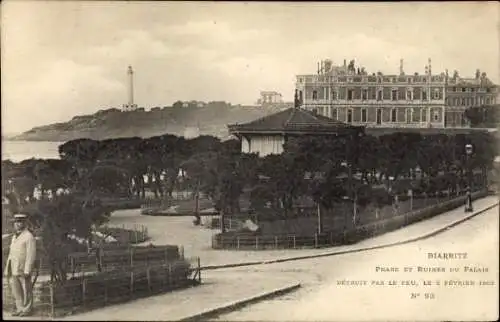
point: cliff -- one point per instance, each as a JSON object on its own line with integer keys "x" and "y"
{"x": 190, "y": 121}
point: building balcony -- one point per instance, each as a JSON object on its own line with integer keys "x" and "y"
{"x": 310, "y": 102}
{"x": 413, "y": 125}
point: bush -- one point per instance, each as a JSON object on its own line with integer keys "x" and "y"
{"x": 125, "y": 236}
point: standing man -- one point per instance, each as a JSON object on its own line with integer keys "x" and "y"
{"x": 20, "y": 264}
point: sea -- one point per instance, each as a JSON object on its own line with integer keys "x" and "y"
{"x": 17, "y": 151}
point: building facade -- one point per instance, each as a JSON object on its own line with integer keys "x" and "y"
{"x": 349, "y": 94}
{"x": 269, "y": 97}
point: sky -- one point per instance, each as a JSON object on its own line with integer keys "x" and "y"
{"x": 61, "y": 59}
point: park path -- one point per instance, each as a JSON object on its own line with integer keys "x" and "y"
{"x": 196, "y": 240}
{"x": 321, "y": 299}
{"x": 231, "y": 284}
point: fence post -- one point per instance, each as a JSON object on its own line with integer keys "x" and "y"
{"x": 148, "y": 276}
{"x": 105, "y": 292}
{"x": 237, "y": 242}
{"x": 101, "y": 254}
{"x": 84, "y": 290}
{"x": 52, "y": 309}
{"x": 275, "y": 241}
{"x": 131, "y": 284}
{"x": 170, "y": 275}
{"x": 316, "y": 240}
{"x": 199, "y": 271}
{"x": 294, "y": 242}
{"x": 256, "y": 242}
{"x": 72, "y": 266}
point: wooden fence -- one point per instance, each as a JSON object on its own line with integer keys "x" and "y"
{"x": 247, "y": 241}
{"x": 86, "y": 261}
{"x": 86, "y": 292}
{"x": 119, "y": 258}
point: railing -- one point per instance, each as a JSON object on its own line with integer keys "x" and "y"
{"x": 122, "y": 258}
{"x": 79, "y": 260}
{"x": 87, "y": 292}
{"x": 247, "y": 241}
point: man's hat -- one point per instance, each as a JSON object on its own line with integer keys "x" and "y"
{"x": 20, "y": 217}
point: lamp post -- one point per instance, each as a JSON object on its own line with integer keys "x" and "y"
{"x": 468, "y": 200}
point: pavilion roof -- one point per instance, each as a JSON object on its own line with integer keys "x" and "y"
{"x": 294, "y": 120}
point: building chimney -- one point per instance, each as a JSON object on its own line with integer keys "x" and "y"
{"x": 345, "y": 63}
{"x": 478, "y": 73}
{"x": 401, "y": 71}
{"x": 297, "y": 99}
{"x": 430, "y": 67}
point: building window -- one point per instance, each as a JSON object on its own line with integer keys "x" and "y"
{"x": 409, "y": 115}
{"x": 378, "y": 119}
{"x": 413, "y": 116}
{"x": 363, "y": 115}
{"x": 436, "y": 94}
{"x": 409, "y": 95}
{"x": 379, "y": 95}
{"x": 424, "y": 95}
{"x": 327, "y": 93}
{"x": 334, "y": 94}
{"x": 394, "y": 115}
{"x": 334, "y": 114}
{"x": 300, "y": 96}
{"x": 315, "y": 95}
{"x": 409, "y": 80}
{"x": 394, "y": 95}
{"x": 435, "y": 116}
{"x": 423, "y": 115}
{"x": 463, "y": 89}
{"x": 349, "y": 94}
{"x": 463, "y": 101}
{"x": 365, "y": 94}
{"x": 349, "y": 116}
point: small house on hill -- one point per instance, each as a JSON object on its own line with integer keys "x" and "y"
{"x": 267, "y": 135}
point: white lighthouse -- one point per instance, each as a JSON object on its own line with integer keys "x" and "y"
{"x": 130, "y": 106}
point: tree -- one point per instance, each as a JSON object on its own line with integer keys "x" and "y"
{"x": 483, "y": 116}
{"x": 56, "y": 220}
{"x": 286, "y": 179}
{"x": 177, "y": 104}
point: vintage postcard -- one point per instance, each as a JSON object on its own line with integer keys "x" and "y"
{"x": 250, "y": 161}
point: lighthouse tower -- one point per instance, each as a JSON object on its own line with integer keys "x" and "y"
{"x": 130, "y": 106}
